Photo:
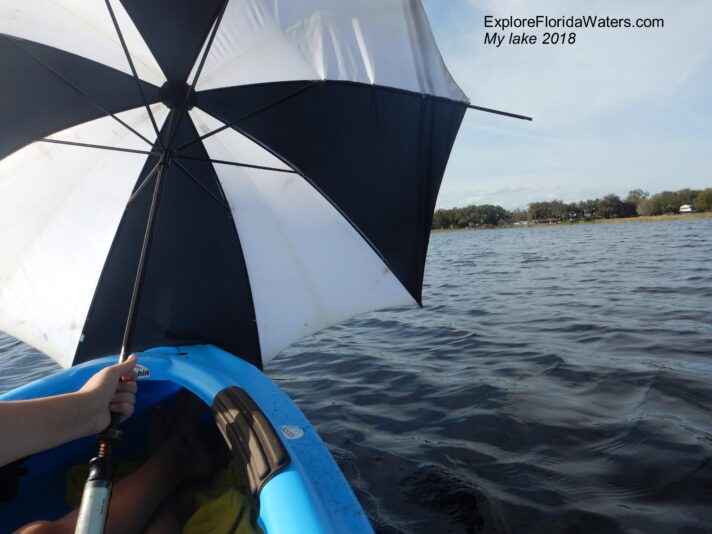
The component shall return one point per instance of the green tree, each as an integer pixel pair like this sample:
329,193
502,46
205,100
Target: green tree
492,215
470,217
668,202
687,196
559,209
608,206
612,207
661,203
703,200
442,219
551,209
588,208
647,207
636,196
518,215
534,211
573,211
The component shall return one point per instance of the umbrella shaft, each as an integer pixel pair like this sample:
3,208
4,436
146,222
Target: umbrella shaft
143,259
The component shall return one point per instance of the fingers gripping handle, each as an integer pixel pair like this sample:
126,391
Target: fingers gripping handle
115,416
111,434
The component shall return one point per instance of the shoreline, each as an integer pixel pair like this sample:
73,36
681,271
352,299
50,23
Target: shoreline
639,219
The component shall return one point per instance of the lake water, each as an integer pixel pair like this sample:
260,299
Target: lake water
558,379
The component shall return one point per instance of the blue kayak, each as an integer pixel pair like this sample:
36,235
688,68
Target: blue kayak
294,482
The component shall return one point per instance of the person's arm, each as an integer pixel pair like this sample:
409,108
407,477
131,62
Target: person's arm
35,425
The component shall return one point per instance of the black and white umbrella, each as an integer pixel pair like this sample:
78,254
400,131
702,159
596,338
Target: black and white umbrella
295,147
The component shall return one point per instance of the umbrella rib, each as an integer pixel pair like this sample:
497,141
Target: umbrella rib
133,71
100,147
15,42
144,182
250,114
235,163
200,184
210,44
497,112
191,89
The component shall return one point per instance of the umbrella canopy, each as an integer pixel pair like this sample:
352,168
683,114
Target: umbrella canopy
299,144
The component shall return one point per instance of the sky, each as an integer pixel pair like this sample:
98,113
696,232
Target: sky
620,109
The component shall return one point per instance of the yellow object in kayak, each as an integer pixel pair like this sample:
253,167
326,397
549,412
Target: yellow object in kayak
219,506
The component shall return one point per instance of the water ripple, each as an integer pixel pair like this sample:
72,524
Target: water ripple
559,379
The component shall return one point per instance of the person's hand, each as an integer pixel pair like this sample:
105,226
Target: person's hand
113,389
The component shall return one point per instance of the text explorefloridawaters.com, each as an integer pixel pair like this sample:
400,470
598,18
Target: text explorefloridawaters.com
503,27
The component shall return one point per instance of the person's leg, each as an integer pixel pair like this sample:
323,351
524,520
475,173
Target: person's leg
136,499
41,527
165,520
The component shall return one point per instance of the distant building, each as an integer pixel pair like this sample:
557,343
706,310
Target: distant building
553,220
686,208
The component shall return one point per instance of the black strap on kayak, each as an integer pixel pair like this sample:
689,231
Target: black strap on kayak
252,439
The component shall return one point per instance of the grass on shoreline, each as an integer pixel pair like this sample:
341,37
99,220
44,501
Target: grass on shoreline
653,218
650,218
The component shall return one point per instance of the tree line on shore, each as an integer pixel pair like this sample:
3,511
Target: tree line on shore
637,203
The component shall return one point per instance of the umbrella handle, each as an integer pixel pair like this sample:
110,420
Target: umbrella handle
97,490
95,501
